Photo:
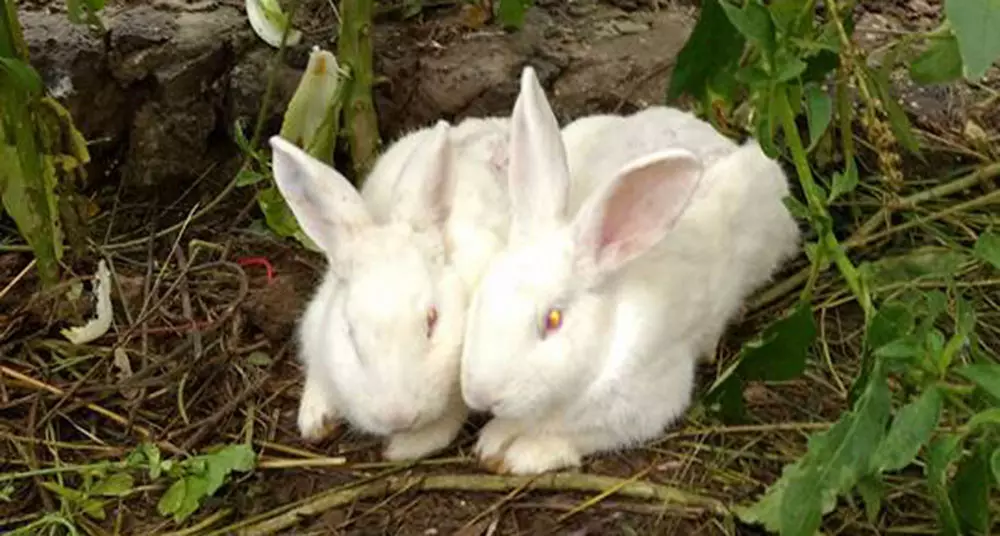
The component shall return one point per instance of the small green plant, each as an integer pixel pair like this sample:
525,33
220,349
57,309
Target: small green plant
772,65
192,480
42,154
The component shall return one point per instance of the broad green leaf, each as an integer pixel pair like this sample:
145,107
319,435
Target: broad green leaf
910,430
796,208
939,63
975,24
891,322
195,490
788,68
844,182
921,263
249,177
819,112
995,465
898,120
714,44
21,76
987,248
983,418
940,454
311,120
777,354
833,464
970,491
270,23
173,498
239,457
280,218
753,21
259,359
511,12
872,493
986,376
115,485
904,348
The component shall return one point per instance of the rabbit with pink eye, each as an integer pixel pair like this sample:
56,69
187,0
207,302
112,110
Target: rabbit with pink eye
381,338
633,243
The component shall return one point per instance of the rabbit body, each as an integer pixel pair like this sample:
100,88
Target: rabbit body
584,333
381,338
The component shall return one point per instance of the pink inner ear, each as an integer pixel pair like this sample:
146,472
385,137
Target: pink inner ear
645,204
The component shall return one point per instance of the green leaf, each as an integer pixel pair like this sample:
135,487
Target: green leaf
940,454
311,120
28,184
115,485
921,263
970,491
995,465
819,112
796,208
21,76
777,354
872,493
714,45
259,359
911,429
983,418
891,322
249,177
172,499
833,464
511,12
907,347
844,183
753,21
898,120
987,248
975,24
940,63
279,217
986,376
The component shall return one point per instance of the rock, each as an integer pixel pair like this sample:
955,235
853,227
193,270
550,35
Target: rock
161,91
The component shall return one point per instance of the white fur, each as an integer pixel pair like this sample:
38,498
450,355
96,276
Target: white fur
432,212
649,252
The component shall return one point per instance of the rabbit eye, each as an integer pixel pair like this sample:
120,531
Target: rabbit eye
552,321
432,318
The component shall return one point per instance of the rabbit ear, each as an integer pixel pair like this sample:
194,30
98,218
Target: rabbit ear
325,204
422,195
634,211
538,174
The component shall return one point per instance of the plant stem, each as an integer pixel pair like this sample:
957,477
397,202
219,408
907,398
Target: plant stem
828,241
355,55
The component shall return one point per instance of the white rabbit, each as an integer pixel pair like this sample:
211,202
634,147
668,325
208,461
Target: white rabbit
583,335
381,338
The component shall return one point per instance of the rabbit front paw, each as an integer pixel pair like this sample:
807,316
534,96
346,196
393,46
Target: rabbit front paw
531,454
318,417
422,441
503,449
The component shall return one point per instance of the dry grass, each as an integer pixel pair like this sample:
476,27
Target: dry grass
207,336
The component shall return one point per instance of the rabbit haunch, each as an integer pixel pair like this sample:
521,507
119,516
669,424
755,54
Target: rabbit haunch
381,338
645,233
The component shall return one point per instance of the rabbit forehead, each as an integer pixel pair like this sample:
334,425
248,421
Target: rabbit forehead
539,271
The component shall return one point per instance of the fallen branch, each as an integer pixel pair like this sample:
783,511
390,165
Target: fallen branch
486,483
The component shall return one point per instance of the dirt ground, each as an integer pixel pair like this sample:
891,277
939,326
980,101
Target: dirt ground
207,330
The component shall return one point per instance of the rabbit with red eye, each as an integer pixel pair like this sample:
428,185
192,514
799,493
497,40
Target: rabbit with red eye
381,338
625,263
